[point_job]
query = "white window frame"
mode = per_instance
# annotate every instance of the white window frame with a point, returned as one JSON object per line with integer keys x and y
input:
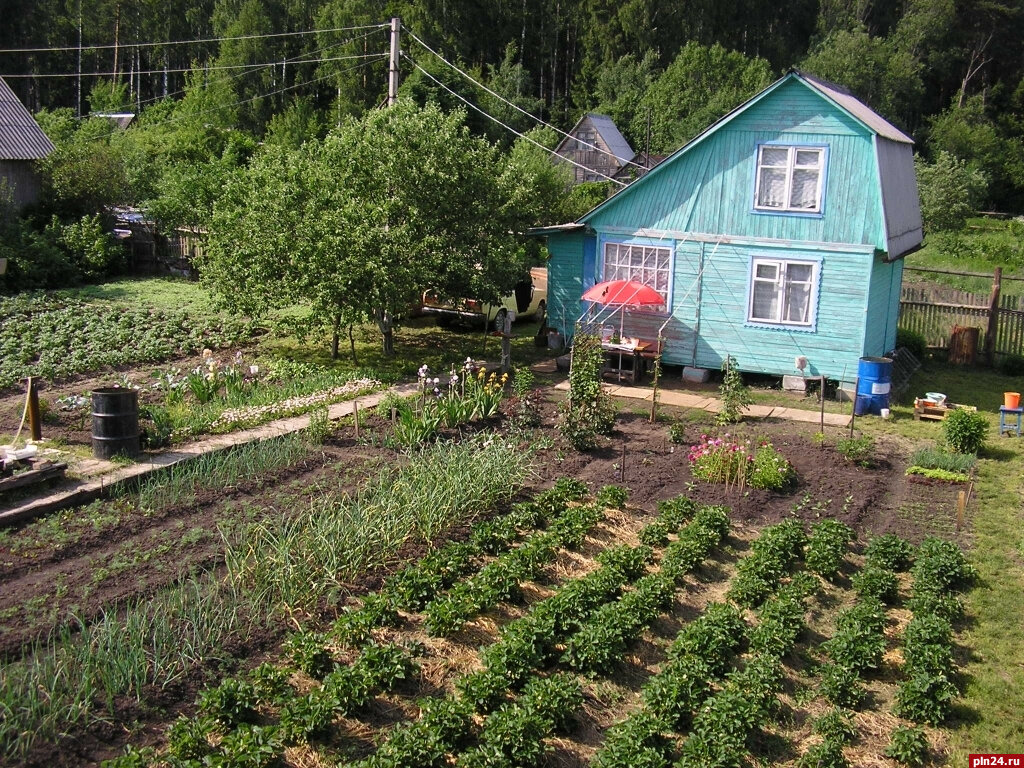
{"x": 782, "y": 286}
{"x": 790, "y": 167}
{"x": 619, "y": 262}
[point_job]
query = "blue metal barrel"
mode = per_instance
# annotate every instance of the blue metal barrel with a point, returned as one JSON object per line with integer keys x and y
{"x": 874, "y": 379}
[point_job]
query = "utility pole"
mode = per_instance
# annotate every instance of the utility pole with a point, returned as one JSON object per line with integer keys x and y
{"x": 78, "y": 80}
{"x": 396, "y": 25}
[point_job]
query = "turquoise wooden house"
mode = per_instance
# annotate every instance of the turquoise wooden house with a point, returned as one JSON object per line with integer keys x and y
{"x": 775, "y": 234}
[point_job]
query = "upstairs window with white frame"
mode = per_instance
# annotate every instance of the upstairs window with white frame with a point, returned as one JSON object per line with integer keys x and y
{"x": 789, "y": 179}
{"x": 646, "y": 264}
{"x": 782, "y": 292}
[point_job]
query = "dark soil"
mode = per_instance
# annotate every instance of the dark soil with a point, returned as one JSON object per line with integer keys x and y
{"x": 42, "y": 580}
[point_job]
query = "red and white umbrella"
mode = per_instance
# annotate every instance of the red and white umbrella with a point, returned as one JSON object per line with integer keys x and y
{"x": 621, "y": 294}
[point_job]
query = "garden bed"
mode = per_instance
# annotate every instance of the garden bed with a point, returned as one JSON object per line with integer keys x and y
{"x": 51, "y": 566}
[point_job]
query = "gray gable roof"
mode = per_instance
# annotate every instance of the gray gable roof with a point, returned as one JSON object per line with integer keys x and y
{"x": 857, "y": 108}
{"x": 616, "y": 142}
{"x": 21, "y": 138}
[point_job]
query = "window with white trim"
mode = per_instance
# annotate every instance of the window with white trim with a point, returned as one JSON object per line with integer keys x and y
{"x": 781, "y": 292}
{"x": 647, "y": 264}
{"x": 789, "y": 178}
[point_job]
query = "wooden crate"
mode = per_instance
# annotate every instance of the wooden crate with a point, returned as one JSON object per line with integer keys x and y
{"x": 938, "y": 412}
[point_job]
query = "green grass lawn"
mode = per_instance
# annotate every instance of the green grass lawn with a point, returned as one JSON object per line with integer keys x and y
{"x": 981, "y": 247}
{"x": 988, "y": 717}
{"x": 418, "y": 340}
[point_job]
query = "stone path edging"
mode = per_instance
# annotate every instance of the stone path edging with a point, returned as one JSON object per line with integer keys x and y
{"x": 713, "y": 405}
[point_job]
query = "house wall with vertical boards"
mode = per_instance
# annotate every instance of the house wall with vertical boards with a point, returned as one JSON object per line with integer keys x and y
{"x": 22, "y": 181}
{"x": 701, "y": 204}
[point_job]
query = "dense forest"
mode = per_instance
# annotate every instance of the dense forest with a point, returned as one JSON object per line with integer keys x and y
{"x": 214, "y": 83}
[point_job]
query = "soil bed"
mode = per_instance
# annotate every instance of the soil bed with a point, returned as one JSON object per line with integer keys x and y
{"x": 43, "y": 579}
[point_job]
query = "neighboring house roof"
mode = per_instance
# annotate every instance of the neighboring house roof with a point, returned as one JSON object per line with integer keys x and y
{"x": 21, "y": 138}
{"x": 642, "y": 163}
{"x": 121, "y": 119}
{"x": 611, "y": 135}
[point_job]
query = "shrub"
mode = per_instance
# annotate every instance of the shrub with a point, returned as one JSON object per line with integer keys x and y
{"x": 913, "y": 342}
{"x": 825, "y": 754}
{"x": 588, "y": 411}
{"x": 877, "y": 582}
{"x": 720, "y": 460}
{"x": 612, "y": 496}
{"x": 890, "y": 551}
{"x": 841, "y": 686}
{"x": 771, "y": 471}
{"x": 639, "y": 741}
{"x": 940, "y": 566}
{"x": 232, "y": 702}
{"x": 827, "y": 546}
{"x": 308, "y": 651}
{"x": 925, "y": 698}
{"x": 733, "y": 392}
{"x": 1012, "y": 365}
{"x": 908, "y": 746}
{"x": 964, "y": 430}
{"x": 677, "y": 434}
{"x": 950, "y": 191}
{"x": 860, "y": 450}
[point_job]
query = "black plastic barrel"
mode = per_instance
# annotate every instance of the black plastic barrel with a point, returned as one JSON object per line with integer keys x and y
{"x": 873, "y": 385}
{"x": 115, "y": 422}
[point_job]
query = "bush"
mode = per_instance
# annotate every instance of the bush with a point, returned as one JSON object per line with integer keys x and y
{"x": 734, "y": 393}
{"x": 720, "y": 460}
{"x": 860, "y": 450}
{"x": 908, "y": 746}
{"x": 890, "y": 551}
{"x": 1012, "y": 365}
{"x": 771, "y": 470}
{"x": 588, "y": 412}
{"x": 964, "y": 430}
{"x": 913, "y": 342}
{"x": 950, "y": 191}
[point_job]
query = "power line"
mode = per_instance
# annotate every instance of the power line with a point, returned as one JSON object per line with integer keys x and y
{"x": 516, "y": 106}
{"x": 510, "y": 128}
{"x": 173, "y": 120}
{"x": 207, "y": 69}
{"x": 292, "y": 60}
{"x": 190, "y": 42}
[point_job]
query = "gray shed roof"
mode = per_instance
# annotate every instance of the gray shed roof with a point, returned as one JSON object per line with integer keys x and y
{"x": 857, "y": 108}
{"x": 21, "y": 138}
{"x": 612, "y": 136}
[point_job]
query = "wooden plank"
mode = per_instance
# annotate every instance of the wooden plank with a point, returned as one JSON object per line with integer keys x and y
{"x": 32, "y": 476}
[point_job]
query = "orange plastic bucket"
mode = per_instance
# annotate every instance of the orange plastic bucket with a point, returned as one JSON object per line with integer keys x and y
{"x": 1011, "y": 399}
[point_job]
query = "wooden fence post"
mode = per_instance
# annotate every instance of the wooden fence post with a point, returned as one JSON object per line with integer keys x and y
{"x": 993, "y": 319}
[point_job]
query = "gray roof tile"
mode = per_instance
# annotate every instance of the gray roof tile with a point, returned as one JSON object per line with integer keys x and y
{"x": 21, "y": 138}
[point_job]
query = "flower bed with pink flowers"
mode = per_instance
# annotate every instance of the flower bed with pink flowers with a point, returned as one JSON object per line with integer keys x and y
{"x": 720, "y": 459}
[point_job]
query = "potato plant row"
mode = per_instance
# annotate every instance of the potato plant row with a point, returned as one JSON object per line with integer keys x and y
{"x": 927, "y": 693}
{"x": 528, "y": 645}
{"x": 682, "y": 698}
{"x": 417, "y": 585}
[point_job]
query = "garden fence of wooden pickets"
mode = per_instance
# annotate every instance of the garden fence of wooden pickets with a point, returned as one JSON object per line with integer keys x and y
{"x": 935, "y": 311}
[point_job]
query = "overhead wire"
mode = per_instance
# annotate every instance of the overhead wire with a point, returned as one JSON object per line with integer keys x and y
{"x": 173, "y": 120}
{"x": 106, "y": 46}
{"x": 510, "y": 128}
{"x": 214, "y": 68}
{"x": 292, "y": 60}
{"x": 516, "y": 106}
